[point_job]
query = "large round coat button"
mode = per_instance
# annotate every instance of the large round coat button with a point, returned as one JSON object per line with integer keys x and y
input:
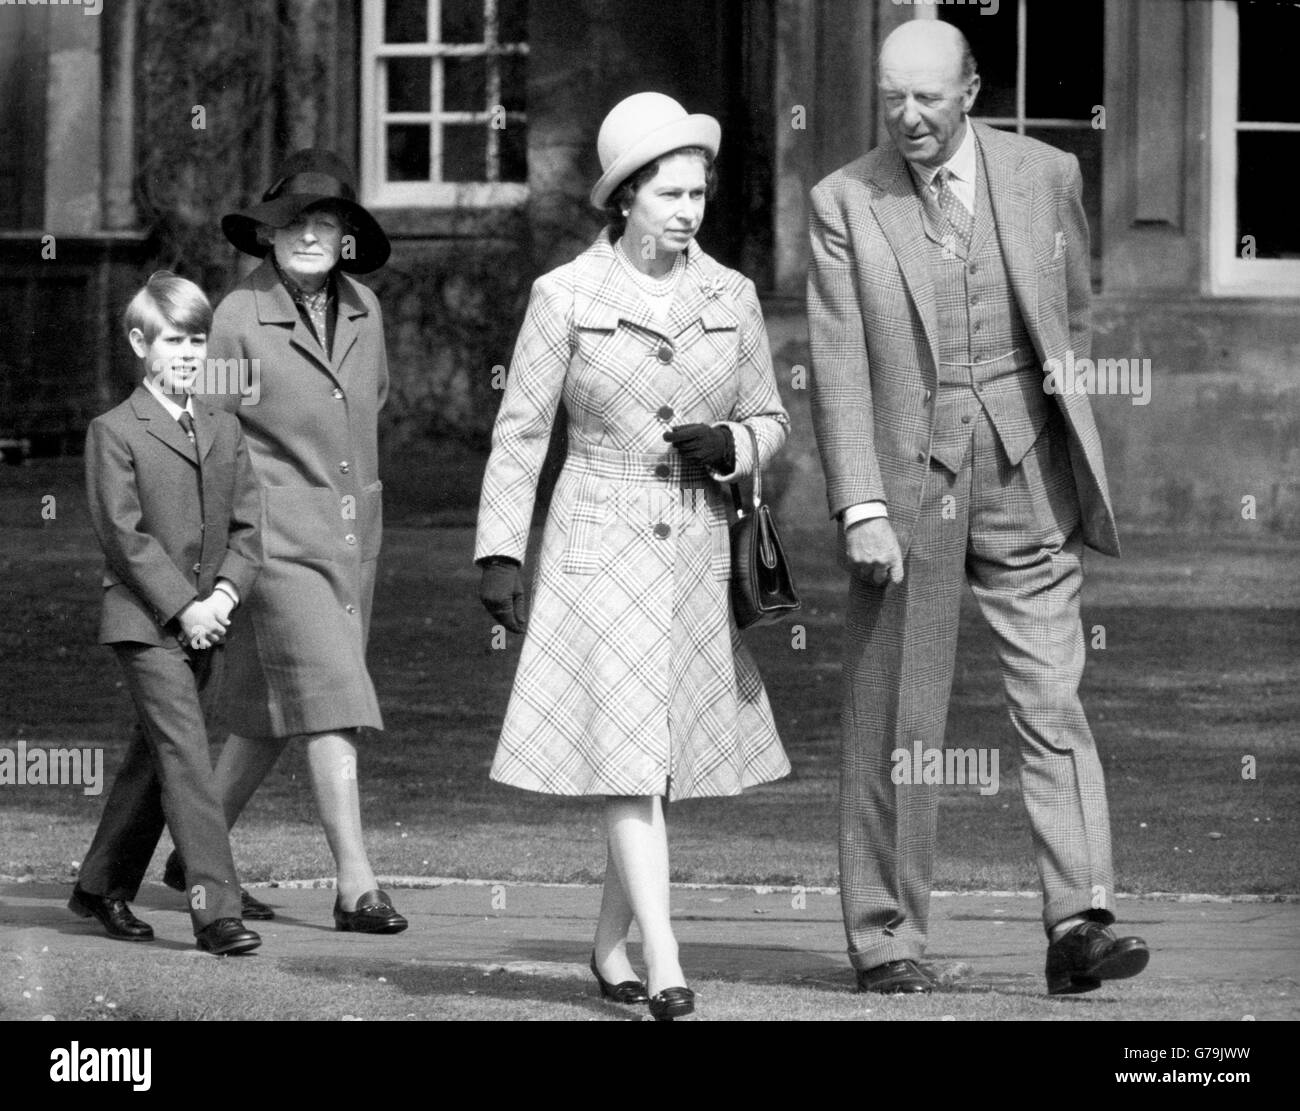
{"x": 663, "y": 470}
{"x": 663, "y": 531}
{"x": 350, "y": 538}
{"x": 344, "y": 466}
{"x": 665, "y": 412}
{"x": 350, "y": 608}
{"x": 665, "y": 352}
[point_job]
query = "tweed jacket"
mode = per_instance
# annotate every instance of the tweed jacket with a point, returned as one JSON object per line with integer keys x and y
{"x": 164, "y": 544}
{"x": 312, "y": 434}
{"x": 872, "y": 320}
{"x": 632, "y": 679}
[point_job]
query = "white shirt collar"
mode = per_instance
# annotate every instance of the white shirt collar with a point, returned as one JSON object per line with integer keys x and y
{"x": 961, "y": 165}
{"x": 173, "y": 410}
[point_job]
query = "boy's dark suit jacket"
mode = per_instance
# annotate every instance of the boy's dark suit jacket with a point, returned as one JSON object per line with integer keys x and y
{"x": 164, "y": 545}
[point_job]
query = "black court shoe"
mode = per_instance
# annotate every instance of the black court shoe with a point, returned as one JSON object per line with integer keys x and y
{"x": 672, "y": 1003}
{"x": 374, "y": 914}
{"x": 628, "y": 991}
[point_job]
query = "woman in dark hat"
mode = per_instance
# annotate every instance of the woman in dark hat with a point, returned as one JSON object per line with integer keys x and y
{"x": 633, "y": 683}
{"x": 314, "y": 344}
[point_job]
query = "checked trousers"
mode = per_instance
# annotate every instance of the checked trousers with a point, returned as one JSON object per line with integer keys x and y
{"x": 1013, "y": 533}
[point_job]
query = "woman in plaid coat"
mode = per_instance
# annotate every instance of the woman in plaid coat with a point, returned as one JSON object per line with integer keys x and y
{"x": 633, "y": 682}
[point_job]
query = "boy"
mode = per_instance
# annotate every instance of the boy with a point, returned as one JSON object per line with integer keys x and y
{"x": 176, "y": 508}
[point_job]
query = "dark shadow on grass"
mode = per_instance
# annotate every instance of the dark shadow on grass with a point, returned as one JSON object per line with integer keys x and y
{"x": 433, "y": 981}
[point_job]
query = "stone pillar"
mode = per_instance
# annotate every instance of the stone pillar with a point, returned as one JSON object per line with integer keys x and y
{"x": 72, "y": 163}
{"x": 794, "y": 114}
{"x": 119, "y": 114}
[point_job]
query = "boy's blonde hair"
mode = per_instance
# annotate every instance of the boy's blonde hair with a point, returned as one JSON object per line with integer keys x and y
{"x": 167, "y": 299}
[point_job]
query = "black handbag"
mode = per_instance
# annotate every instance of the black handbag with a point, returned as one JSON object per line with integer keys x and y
{"x": 762, "y": 588}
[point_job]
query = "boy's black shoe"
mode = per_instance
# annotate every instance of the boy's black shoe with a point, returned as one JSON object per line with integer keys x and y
{"x": 226, "y": 936}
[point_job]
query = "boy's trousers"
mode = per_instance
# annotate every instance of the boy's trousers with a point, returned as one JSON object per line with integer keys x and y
{"x": 167, "y": 777}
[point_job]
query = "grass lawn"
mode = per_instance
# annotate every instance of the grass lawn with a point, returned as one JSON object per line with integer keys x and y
{"x": 1200, "y": 669}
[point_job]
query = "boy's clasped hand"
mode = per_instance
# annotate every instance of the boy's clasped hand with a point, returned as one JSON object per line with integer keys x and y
{"x": 204, "y": 622}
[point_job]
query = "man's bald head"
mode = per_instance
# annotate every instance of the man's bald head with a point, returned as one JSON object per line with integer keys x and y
{"x": 933, "y": 39}
{"x": 928, "y": 84}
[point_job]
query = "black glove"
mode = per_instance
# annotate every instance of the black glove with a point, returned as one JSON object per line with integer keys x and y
{"x": 706, "y": 445}
{"x": 501, "y": 590}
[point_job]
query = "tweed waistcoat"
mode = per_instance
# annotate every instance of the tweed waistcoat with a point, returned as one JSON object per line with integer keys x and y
{"x": 986, "y": 357}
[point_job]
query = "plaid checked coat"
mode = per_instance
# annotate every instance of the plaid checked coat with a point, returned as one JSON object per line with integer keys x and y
{"x": 633, "y": 679}
{"x": 873, "y": 320}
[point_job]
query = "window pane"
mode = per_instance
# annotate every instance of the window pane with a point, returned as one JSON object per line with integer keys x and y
{"x": 1260, "y": 159}
{"x": 462, "y": 20}
{"x": 512, "y": 20}
{"x": 406, "y": 21}
{"x": 514, "y": 152}
{"x": 1085, "y": 144}
{"x": 408, "y": 84}
{"x": 1268, "y": 89}
{"x": 464, "y": 152}
{"x": 992, "y": 40}
{"x": 513, "y": 70}
{"x": 1063, "y": 59}
{"x": 464, "y": 85}
{"x": 408, "y": 152}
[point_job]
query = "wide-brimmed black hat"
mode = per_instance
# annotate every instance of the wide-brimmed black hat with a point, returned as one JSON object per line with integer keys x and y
{"x": 311, "y": 177}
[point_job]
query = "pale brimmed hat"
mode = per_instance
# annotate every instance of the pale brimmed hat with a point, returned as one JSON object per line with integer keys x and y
{"x": 640, "y": 129}
{"x": 308, "y": 178}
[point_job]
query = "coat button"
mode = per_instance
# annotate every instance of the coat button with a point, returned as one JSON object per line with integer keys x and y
{"x": 350, "y": 538}
{"x": 344, "y": 466}
{"x": 965, "y": 420}
{"x": 338, "y": 394}
{"x": 927, "y": 395}
{"x": 350, "y": 608}
{"x": 665, "y": 352}
{"x": 663, "y": 470}
{"x": 920, "y": 457}
{"x": 665, "y": 412}
{"x": 197, "y": 568}
{"x": 663, "y": 531}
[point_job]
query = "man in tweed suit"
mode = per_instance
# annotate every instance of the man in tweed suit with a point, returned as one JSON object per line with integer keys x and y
{"x": 948, "y": 266}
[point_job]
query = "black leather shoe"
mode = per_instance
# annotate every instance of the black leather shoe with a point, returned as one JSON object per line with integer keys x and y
{"x": 113, "y": 914}
{"x": 1089, "y": 954}
{"x": 627, "y": 991}
{"x": 174, "y": 871}
{"x": 226, "y": 936}
{"x": 672, "y": 1003}
{"x": 895, "y": 978}
{"x": 374, "y": 915}
{"x": 254, "y": 909}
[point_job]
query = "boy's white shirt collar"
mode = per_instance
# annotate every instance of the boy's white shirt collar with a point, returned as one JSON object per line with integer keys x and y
{"x": 173, "y": 410}
{"x": 962, "y": 168}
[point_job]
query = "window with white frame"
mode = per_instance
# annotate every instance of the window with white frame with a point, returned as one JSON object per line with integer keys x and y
{"x": 1041, "y": 75}
{"x": 1255, "y": 139}
{"x": 443, "y": 119}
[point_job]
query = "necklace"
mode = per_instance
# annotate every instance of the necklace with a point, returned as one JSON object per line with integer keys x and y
{"x": 655, "y": 287}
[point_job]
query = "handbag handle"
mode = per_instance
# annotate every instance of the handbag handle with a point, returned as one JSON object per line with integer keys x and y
{"x": 757, "y": 475}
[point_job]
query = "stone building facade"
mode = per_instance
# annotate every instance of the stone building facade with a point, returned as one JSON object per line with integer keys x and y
{"x": 127, "y": 127}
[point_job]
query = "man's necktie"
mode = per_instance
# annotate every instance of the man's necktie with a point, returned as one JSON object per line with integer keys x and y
{"x": 187, "y": 422}
{"x": 959, "y": 218}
